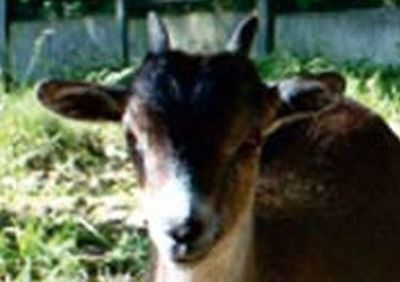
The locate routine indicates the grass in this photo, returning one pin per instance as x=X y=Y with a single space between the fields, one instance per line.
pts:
x=67 y=189
x=66 y=204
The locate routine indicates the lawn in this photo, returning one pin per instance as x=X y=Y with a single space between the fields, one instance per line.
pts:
x=67 y=200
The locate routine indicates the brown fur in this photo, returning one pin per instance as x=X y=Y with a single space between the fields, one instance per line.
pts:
x=328 y=199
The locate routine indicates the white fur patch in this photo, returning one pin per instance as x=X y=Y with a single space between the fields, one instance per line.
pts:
x=174 y=199
x=169 y=206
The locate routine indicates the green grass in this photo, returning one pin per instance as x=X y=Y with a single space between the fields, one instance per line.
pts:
x=67 y=197
x=67 y=189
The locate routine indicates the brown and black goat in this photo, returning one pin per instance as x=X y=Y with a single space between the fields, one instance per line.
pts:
x=244 y=182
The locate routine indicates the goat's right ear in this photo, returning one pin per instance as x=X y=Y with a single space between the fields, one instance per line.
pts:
x=333 y=81
x=83 y=101
x=310 y=92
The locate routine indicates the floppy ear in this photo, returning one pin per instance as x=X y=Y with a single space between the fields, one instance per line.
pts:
x=333 y=81
x=242 y=37
x=158 y=35
x=310 y=92
x=289 y=101
x=83 y=101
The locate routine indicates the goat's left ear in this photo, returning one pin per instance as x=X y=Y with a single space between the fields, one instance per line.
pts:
x=310 y=92
x=242 y=37
x=333 y=81
x=83 y=101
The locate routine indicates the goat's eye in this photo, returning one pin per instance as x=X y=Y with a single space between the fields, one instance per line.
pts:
x=253 y=140
x=230 y=150
x=134 y=150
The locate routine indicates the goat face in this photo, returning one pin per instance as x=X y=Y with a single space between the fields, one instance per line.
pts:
x=193 y=126
x=194 y=129
x=195 y=137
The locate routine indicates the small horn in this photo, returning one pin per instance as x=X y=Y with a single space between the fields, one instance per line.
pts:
x=158 y=34
x=242 y=37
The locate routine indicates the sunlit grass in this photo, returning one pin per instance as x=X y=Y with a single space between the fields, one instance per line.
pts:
x=66 y=198
x=67 y=248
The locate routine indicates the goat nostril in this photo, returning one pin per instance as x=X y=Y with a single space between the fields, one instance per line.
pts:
x=188 y=232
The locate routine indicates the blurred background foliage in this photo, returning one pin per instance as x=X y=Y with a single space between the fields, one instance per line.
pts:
x=39 y=9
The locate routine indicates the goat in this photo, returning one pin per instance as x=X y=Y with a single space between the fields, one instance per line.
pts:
x=247 y=182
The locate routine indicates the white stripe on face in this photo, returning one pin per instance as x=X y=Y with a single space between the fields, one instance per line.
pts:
x=172 y=205
x=168 y=206
x=174 y=200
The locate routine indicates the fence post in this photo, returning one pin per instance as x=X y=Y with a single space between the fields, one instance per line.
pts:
x=123 y=32
x=5 y=74
x=266 y=32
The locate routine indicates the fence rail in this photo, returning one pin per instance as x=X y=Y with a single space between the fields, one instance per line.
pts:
x=32 y=50
x=371 y=35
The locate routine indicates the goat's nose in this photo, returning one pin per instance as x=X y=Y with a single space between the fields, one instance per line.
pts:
x=187 y=232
